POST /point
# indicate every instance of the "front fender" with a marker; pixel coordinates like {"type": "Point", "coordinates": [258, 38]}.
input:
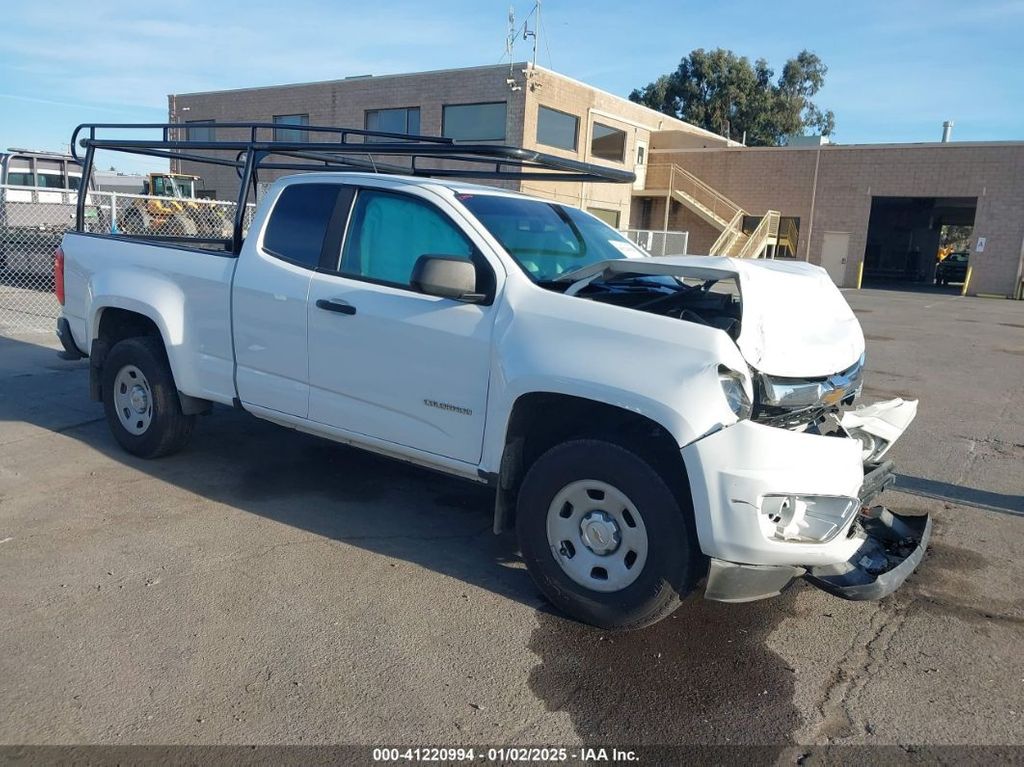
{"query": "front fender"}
{"type": "Point", "coordinates": [661, 368]}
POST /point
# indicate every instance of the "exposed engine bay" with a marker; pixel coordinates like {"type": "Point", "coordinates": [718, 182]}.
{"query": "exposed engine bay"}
{"type": "Point", "coordinates": [820, 404]}
{"type": "Point", "coordinates": [715, 303]}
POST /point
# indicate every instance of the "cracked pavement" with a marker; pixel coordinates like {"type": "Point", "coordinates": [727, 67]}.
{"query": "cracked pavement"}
{"type": "Point", "coordinates": [267, 587]}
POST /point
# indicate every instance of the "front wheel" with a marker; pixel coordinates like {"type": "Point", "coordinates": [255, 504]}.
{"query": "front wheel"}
{"type": "Point", "coordinates": [141, 400]}
{"type": "Point", "coordinates": [604, 537]}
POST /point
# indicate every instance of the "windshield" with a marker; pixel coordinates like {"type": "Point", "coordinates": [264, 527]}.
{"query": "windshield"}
{"type": "Point", "coordinates": [546, 239]}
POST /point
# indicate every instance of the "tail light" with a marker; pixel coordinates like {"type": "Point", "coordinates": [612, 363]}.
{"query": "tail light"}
{"type": "Point", "coordinates": [58, 274]}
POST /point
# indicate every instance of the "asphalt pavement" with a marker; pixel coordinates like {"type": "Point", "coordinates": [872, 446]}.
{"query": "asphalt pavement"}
{"type": "Point", "coordinates": [264, 586]}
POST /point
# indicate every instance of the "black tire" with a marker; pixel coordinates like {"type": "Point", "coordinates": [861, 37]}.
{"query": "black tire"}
{"type": "Point", "coordinates": [169, 429]}
{"type": "Point", "coordinates": [673, 555]}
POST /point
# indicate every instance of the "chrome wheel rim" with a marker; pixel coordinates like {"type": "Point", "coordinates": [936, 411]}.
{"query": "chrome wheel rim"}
{"type": "Point", "coordinates": [133, 400]}
{"type": "Point", "coordinates": [596, 535]}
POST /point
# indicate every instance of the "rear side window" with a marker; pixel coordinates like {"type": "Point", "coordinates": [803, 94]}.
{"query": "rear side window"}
{"type": "Point", "coordinates": [299, 221]}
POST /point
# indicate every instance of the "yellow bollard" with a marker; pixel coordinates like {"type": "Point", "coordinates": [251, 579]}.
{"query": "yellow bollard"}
{"type": "Point", "coordinates": [967, 280]}
{"type": "Point", "coordinates": [860, 274]}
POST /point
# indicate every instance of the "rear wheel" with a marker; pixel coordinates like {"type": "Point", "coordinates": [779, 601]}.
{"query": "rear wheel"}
{"type": "Point", "coordinates": [141, 400]}
{"type": "Point", "coordinates": [603, 535]}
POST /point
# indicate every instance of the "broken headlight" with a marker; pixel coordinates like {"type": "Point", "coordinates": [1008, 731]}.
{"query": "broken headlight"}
{"type": "Point", "coordinates": [735, 392]}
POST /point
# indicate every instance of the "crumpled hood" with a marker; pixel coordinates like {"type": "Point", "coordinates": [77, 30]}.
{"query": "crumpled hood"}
{"type": "Point", "coordinates": [795, 321]}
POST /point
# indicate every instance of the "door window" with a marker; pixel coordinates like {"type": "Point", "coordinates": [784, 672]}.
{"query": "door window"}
{"type": "Point", "coordinates": [389, 232]}
{"type": "Point", "coordinates": [299, 222]}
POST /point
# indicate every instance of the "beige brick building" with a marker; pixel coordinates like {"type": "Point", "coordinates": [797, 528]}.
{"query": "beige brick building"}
{"type": "Point", "coordinates": [843, 193]}
{"type": "Point", "coordinates": [521, 105]}
{"type": "Point", "coordinates": [876, 209]}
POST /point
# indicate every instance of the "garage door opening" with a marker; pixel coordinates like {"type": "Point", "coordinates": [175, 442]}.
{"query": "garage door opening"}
{"type": "Point", "coordinates": [909, 236]}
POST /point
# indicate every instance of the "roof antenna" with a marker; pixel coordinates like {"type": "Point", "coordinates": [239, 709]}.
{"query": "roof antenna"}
{"type": "Point", "coordinates": [535, 32]}
{"type": "Point", "coordinates": [510, 42]}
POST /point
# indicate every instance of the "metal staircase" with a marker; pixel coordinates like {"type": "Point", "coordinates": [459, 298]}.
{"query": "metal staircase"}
{"type": "Point", "coordinates": [672, 182]}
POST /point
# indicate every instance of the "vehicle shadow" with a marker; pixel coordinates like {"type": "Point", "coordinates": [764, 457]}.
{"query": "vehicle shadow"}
{"type": "Point", "coordinates": [328, 489]}
{"type": "Point", "coordinates": [1003, 503]}
{"type": "Point", "coordinates": [704, 675]}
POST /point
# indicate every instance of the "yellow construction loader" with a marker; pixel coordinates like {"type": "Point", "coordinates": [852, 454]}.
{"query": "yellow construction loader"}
{"type": "Point", "coordinates": [169, 207]}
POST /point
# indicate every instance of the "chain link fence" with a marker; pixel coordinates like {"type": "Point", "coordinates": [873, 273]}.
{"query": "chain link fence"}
{"type": "Point", "coordinates": [659, 242]}
{"type": "Point", "coordinates": [33, 221]}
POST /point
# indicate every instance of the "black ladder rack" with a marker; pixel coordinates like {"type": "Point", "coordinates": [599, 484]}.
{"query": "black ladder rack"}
{"type": "Point", "coordinates": [329, 148]}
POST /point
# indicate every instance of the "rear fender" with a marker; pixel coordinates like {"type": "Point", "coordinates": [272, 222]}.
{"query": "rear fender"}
{"type": "Point", "coordinates": [151, 296]}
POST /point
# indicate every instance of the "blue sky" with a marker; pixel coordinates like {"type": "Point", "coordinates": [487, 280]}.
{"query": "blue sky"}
{"type": "Point", "coordinates": [897, 69]}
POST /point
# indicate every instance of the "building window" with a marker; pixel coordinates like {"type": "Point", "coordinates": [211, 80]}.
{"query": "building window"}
{"type": "Point", "coordinates": [608, 143]}
{"type": "Point", "coordinates": [474, 122]}
{"type": "Point", "coordinates": [290, 134]}
{"type": "Point", "coordinates": [610, 217]}
{"type": "Point", "coordinates": [405, 121]}
{"type": "Point", "coordinates": [199, 130]}
{"type": "Point", "coordinates": [557, 129]}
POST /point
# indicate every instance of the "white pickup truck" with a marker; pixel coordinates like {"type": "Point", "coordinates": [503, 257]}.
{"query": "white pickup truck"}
{"type": "Point", "coordinates": [647, 423]}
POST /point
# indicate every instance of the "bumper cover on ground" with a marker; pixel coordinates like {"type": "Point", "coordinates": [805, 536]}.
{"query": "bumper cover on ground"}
{"type": "Point", "coordinates": [892, 549]}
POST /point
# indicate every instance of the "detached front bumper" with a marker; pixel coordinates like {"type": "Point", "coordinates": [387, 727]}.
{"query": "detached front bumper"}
{"type": "Point", "coordinates": [738, 475]}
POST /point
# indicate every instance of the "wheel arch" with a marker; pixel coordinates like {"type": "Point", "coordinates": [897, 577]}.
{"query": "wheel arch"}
{"type": "Point", "coordinates": [542, 419]}
{"type": "Point", "coordinates": [128, 318]}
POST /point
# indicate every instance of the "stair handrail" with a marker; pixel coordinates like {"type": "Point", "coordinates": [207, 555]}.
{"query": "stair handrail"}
{"type": "Point", "coordinates": [729, 235]}
{"type": "Point", "coordinates": [789, 234]}
{"type": "Point", "coordinates": [756, 241]}
{"type": "Point", "coordinates": [705, 194]}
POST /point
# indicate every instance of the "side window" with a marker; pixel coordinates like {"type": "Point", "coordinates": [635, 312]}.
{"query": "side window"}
{"type": "Point", "coordinates": [299, 221]}
{"type": "Point", "coordinates": [20, 178]}
{"type": "Point", "coordinates": [389, 232]}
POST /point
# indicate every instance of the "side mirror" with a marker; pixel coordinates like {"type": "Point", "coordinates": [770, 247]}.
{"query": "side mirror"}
{"type": "Point", "coordinates": [447, 277]}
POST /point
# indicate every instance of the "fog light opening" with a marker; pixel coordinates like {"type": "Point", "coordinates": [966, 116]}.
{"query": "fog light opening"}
{"type": "Point", "coordinates": [806, 518]}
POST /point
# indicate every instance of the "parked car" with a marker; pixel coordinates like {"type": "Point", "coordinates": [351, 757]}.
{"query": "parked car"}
{"type": "Point", "coordinates": [646, 423]}
{"type": "Point", "coordinates": [953, 268]}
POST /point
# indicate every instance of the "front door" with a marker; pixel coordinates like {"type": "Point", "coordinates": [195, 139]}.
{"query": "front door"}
{"type": "Point", "coordinates": [386, 361]}
{"type": "Point", "coordinates": [834, 251]}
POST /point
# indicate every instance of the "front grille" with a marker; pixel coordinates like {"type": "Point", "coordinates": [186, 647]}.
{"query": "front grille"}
{"type": "Point", "coordinates": [789, 402]}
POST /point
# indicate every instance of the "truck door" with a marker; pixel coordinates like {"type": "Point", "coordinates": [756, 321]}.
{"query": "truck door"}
{"type": "Point", "coordinates": [269, 294]}
{"type": "Point", "coordinates": [386, 361]}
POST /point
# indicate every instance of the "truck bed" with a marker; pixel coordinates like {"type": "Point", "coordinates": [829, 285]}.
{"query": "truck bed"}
{"type": "Point", "coordinates": [189, 287]}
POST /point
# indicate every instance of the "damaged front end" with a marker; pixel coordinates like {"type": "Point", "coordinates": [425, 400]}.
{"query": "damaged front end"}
{"type": "Point", "coordinates": [786, 490]}
{"type": "Point", "coordinates": [874, 549]}
{"type": "Point", "coordinates": [838, 540]}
